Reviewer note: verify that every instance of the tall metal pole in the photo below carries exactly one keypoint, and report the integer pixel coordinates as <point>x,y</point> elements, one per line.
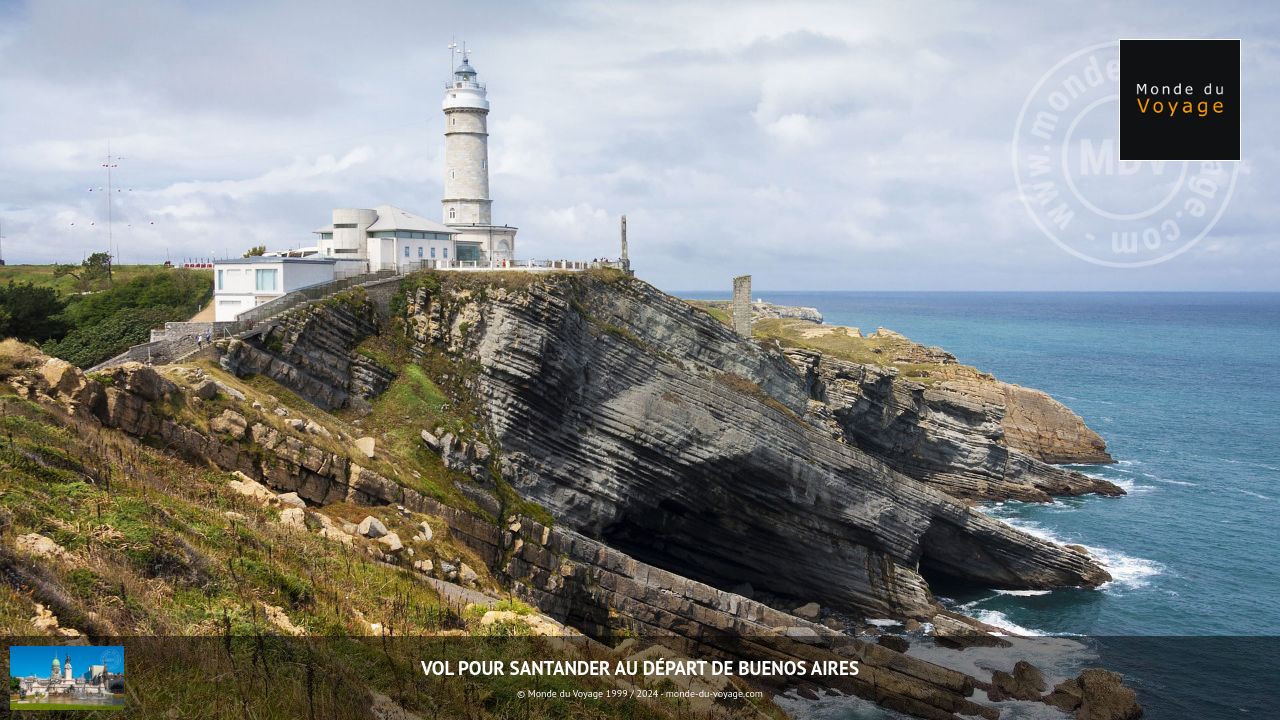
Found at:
<point>111,248</point>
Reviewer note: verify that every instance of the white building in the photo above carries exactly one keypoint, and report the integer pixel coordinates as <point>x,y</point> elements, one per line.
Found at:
<point>245,283</point>
<point>62,681</point>
<point>388,238</point>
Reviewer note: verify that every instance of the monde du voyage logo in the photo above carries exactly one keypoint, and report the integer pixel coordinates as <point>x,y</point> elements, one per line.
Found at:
<point>1124,151</point>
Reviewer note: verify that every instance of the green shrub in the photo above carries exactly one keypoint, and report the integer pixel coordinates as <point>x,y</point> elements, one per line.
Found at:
<point>106,324</point>
<point>30,313</point>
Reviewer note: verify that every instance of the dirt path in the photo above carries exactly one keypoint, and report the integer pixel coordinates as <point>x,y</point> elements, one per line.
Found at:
<point>206,314</point>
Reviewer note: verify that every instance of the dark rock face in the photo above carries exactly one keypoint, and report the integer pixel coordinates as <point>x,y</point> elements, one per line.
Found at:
<point>642,422</point>
<point>310,351</point>
<point>949,435</point>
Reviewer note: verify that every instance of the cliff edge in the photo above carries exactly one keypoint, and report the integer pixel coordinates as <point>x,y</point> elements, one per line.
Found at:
<point>643,422</point>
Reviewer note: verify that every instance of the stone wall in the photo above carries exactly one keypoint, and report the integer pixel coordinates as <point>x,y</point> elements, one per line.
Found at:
<point>157,352</point>
<point>181,330</point>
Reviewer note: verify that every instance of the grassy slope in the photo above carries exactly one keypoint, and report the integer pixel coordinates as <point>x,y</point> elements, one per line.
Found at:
<point>42,276</point>
<point>152,551</point>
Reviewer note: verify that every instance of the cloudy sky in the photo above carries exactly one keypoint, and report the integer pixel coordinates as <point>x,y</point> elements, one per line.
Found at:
<point>815,145</point>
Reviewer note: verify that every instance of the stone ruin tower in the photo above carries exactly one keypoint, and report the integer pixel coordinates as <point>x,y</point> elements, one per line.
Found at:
<point>741,305</point>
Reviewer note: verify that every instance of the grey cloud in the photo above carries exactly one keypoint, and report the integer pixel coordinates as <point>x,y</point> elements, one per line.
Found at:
<point>816,144</point>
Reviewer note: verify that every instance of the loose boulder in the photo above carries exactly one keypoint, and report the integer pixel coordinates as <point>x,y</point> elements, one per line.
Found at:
<point>293,517</point>
<point>230,423</point>
<point>809,611</point>
<point>291,499</point>
<point>1026,682</point>
<point>392,542</point>
<point>371,527</point>
<point>466,575</point>
<point>41,546</point>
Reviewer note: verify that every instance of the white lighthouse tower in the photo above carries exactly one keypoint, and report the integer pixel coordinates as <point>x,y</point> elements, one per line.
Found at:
<point>466,204</point>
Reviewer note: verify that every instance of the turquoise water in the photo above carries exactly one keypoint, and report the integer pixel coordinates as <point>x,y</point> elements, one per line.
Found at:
<point>1184,388</point>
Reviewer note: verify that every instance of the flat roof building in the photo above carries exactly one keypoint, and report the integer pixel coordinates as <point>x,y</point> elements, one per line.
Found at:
<point>245,283</point>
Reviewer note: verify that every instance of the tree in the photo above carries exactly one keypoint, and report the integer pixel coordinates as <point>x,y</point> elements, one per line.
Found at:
<point>256,251</point>
<point>30,313</point>
<point>94,269</point>
<point>105,324</point>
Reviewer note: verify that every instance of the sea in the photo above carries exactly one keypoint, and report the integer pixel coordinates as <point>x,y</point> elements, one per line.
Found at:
<point>1185,389</point>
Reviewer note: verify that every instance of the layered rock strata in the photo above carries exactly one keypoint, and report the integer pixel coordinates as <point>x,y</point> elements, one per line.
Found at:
<point>310,350</point>
<point>646,424</point>
<point>575,579</point>
<point>951,434</point>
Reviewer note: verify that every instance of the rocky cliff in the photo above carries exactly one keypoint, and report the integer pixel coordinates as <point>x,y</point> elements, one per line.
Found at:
<point>677,460</point>
<point>309,351</point>
<point>1023,419</point>
<point>647,424</point>
<point>950,434</point>
<point>577,580</point>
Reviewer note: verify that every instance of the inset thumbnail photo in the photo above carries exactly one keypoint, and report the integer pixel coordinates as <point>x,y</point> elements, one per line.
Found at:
<point>62,677</point>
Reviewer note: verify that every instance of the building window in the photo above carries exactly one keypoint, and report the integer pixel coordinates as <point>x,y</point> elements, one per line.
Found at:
<point>484,164</point>
<point>452,175</point>
<point>345,225</point>
<point>219,279</point>
<point>419,251</point>
<point>406,251</point>
<point>265,280</point>
<point>446,253</point>
<point>326,236</point>
<point>433,253</point>
<point>453,121</point>
<point>453,213</point>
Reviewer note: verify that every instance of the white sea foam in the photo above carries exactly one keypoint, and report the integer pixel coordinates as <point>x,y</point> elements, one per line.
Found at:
<point>1024,593</point>
<point>845,707</point>
<point>1264,466</point>
<point>880,622</point>
<point>1129,486</point>
<point>1126,571</point>
<point>1176,482</point>
<point>1167,481</point>
<point>1002,621</point>
<point>1260,496</point>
